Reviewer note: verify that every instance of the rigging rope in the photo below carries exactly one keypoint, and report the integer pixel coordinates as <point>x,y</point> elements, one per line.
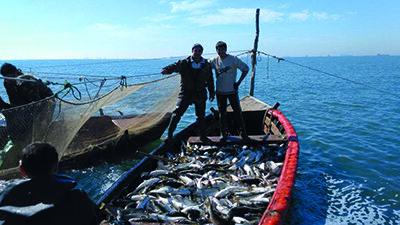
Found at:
<point>123,79</point>
<point>94,78</point>
<point>100,77</point>
<point>85,64</point>
<point>331,74</point>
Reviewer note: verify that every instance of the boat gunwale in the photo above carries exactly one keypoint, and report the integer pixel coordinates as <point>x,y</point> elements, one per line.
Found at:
<point>280,201</point>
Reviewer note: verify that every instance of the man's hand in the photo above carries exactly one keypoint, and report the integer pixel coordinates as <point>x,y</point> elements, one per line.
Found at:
<point>236,86</point>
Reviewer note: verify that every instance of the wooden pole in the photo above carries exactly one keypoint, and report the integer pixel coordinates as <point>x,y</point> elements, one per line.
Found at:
<point>254,54</point>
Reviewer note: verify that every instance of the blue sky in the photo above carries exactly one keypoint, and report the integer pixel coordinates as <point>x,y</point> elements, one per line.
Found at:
<point>59,29</point>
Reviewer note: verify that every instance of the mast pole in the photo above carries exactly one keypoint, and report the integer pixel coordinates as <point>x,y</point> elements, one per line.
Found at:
<point>254,54</point>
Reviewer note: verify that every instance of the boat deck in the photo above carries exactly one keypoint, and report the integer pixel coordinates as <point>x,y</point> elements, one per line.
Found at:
<point>249,103</point>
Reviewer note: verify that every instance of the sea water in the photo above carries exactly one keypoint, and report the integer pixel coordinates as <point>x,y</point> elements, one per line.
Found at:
<point>345,111</point>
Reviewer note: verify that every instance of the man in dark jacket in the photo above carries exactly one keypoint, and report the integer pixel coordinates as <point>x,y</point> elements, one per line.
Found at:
<point>25,90</point>
<point>196,76</point>
<point>4,105</point>
<point>29,122</point>
<point>47,198</point>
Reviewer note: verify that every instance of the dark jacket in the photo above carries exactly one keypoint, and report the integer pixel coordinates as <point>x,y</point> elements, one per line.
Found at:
<point>4,105</point>
<point>47,200</point>
<point>192,79</point>
<point>23,92</point>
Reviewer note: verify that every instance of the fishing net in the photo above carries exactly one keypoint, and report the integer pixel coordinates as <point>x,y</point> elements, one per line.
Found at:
<point>72,122</point>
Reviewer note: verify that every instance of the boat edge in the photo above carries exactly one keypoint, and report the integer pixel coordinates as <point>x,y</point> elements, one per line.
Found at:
<point>280,201</point>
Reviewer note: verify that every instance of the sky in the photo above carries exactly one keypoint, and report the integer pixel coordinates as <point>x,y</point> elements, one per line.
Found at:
<point>125,29</point>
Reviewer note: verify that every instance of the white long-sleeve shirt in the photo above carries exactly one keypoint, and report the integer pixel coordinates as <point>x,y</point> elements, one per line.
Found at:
<point>226,72</point>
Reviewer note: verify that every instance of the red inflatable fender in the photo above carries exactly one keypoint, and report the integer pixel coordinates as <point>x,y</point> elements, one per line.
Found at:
<point>280,201</point>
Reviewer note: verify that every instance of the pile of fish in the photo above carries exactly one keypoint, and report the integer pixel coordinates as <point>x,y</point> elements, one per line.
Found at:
<point>206,184</point>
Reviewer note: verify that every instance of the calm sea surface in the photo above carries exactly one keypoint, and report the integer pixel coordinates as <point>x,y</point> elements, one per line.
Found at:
<point>345,111</point>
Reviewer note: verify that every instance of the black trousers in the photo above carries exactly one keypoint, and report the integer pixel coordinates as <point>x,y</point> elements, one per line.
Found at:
<point>222,101</point>
<point>186,98</point>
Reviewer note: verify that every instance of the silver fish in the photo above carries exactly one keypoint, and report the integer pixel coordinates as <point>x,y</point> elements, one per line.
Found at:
<point>264,201</point>
<point>216,217</point>
<point>248,170</point>
<point>223,193</point>
<point>180,202</point>
<point>158,172</point>
<point>147,183</point>
<point>167,203</point>
<point>240,220</point>
<point>193,212</point>
<point>188,182</point>
<point>137,197</point>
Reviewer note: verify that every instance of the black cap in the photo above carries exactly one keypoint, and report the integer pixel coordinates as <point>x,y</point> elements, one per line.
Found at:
<point>220,44</point>
<point>197,45</point>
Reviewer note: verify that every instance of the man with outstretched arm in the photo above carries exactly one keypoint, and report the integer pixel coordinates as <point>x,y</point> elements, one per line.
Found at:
<point>196,76</point>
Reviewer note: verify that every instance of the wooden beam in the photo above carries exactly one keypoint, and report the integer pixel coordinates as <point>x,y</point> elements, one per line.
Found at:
<point>254,54</point>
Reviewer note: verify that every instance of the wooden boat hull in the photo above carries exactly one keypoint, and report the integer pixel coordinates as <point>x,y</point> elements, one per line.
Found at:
<point>113,147</point>
<point>257,120</point>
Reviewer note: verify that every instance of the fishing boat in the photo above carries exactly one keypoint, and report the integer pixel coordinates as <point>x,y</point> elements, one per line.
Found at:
<point>222,182</point>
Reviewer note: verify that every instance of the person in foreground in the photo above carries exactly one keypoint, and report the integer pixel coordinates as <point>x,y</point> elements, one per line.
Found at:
<point>196,76</point>
<point>47,197</point>
<point>225,66</point>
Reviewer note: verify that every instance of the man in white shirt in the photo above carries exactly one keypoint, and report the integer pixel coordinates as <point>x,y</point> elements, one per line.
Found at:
<point>226,67</point>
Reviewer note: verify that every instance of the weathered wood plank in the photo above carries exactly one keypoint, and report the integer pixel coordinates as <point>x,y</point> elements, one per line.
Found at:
<point>249,103</point>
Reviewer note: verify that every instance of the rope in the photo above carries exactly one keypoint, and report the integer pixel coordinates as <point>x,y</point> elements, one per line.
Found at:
<point>87,102</point>
<point>99,77</point>
<point>17,79</point>
<point>101,85</point>
<point>73,89</point>
<point>86,64</point>
<point>70,88</point>
<point>117,61</point>
<point>108,93</point>
<point>123,79</point>
<point>87,90</point>
<point>331,74</point>
<point>242,53</point>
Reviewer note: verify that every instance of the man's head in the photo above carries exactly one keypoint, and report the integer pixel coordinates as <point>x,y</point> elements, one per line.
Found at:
<point>221,44</point>
<point>39,159</point>
<point>197,51</point>
<point>221,48</point>
<point>9,70</point>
